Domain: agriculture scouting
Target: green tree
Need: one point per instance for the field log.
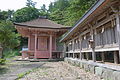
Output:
(30, 3)
(76, 10)
(25, 14)
(6, 15)
(8, 38)
(43, 11)
(68, 12)
(3, 15)
(57, 11)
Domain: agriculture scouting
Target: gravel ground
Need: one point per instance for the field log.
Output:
(59, 71)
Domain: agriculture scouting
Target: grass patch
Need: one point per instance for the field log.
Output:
(21, 75)
(2, 61)
(11, 53)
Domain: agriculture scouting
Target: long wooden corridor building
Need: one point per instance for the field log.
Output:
(96, 36)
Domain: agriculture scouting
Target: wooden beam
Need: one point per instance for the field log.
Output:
(115, 57)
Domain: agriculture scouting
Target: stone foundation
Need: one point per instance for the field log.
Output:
(106, 71)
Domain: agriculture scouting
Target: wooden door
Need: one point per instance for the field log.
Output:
(42, 43)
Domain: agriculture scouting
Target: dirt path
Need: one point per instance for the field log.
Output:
(60, 71)
(12, 69)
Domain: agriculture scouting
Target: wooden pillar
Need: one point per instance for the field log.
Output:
(87, 56)
(64, 54)
(103, 56)
(93, 54)
(35, 54)
(50, 46)
(80, 40)
(115, 57)
(83, 56)
(73, 47)
(118, 31)
(68, 55)
(55, 44)
(29, 42)
(92, 42)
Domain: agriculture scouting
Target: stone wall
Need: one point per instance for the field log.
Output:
(105, 71)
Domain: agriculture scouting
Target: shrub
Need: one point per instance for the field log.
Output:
(2, 61)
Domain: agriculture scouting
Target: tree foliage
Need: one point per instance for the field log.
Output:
(25, 14)
(67, 12)
(43, 11)
(8, 37)
(6, 15)
(30, 3)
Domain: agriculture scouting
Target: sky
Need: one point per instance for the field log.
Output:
(17, 4)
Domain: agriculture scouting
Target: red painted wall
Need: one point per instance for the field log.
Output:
(42, 46)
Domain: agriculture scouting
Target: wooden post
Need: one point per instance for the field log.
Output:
(118, 31)
(50, 46)
(55, 44)
(92, 43)
(35, 54)
(83, 56)
(80, 40)
(103, 56)
(29, 42)
(87, 56)
(64, 55)
(69, 55)
(115, 57)
(73, 48)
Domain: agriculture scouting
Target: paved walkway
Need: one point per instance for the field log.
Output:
(11, 70)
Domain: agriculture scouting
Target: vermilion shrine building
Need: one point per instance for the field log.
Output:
(42, 34)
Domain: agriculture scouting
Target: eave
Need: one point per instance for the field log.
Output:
(84, 17)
